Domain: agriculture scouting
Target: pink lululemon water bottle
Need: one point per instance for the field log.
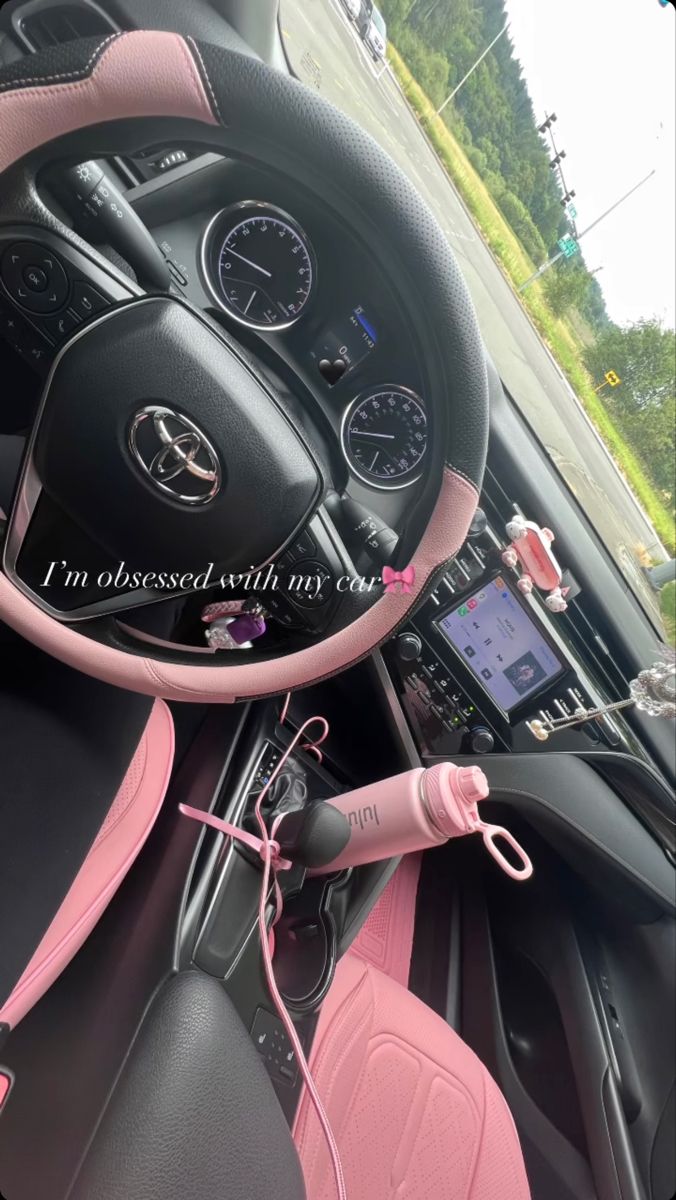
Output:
(412, 811)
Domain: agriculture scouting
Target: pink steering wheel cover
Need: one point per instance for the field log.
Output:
(145, 74)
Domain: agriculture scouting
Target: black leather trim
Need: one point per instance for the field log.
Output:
(61, 64)
(194, 1115)
(586, 821)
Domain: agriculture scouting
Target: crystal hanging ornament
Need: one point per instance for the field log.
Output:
(653, 692)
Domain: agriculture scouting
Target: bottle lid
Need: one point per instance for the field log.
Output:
(472, 783)
(452, 794)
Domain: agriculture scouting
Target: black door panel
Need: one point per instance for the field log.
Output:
(568, 982)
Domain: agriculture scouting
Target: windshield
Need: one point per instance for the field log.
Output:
(545, 148)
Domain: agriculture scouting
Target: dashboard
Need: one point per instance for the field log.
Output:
(262, 271)
(295, 287)
(292, 281)
(480, 662)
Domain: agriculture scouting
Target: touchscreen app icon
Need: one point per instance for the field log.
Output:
(471, 604)
(463, 610)
(499, 582)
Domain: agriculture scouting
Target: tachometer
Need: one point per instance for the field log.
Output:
(385, 436)
(259, 265)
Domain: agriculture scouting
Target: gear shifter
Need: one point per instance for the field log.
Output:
(413, 811)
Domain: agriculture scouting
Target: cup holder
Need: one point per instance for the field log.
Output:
(306, 943)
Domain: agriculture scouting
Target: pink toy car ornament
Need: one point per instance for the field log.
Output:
(530, 547)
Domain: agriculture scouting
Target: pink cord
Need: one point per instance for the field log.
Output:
(272, 863)
(309, 747)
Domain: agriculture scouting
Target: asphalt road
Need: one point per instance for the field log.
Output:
(326, 53)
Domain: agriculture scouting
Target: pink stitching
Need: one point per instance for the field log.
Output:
(80, 81)
(142, 744)
(342, 1018)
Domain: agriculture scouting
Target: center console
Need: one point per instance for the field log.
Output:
(480, 661)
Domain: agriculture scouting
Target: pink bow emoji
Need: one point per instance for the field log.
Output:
(405, 579)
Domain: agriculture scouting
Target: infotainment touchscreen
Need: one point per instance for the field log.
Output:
(500, 643)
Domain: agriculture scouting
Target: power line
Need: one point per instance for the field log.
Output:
(472, 68)
(550, 261)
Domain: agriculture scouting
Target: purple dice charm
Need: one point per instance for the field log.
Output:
(246, 628)
(226, 633)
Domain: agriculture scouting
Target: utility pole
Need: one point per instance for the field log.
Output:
(550, 261)
(472, 68)
(555, 164)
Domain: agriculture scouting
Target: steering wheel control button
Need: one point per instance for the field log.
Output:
(310, 584)
(23, 338)
(12, 326)
(58, 327)
(86, 300)
(34, 277)
(303, 547)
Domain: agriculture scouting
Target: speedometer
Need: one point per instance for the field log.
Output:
(385, 436)
(259, 264)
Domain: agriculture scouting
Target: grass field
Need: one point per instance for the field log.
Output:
(563, 339)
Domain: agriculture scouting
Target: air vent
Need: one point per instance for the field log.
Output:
(44, 25)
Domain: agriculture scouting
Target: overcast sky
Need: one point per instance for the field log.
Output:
(608, 70)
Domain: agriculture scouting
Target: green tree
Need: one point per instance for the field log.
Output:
(566, 287)
(492, 117)
(643, 355)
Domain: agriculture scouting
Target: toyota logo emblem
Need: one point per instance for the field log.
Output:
(175, 455)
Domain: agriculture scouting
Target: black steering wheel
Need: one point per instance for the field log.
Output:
(153, 383)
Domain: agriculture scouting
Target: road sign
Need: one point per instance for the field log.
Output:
(612, 378)
(572, 211)
(568, 245)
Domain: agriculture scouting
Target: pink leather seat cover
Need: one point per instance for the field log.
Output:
(386, 937)
(125, 829)
(415, 1113)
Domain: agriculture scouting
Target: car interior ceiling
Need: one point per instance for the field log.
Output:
(563, 986)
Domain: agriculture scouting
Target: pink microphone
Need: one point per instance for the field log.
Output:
(413, 811)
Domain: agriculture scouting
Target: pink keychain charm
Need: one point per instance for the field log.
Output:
(222, 608)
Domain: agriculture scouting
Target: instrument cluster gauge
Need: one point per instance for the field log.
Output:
(259, 265)
(384, 436)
